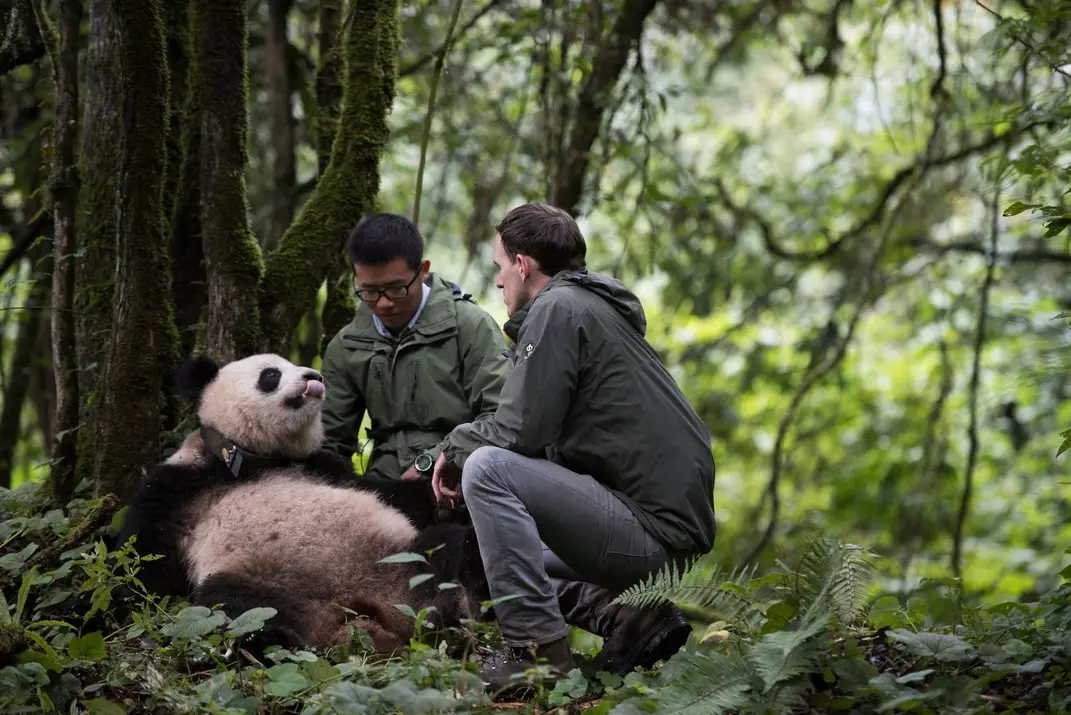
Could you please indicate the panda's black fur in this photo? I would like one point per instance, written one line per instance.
(295, 529)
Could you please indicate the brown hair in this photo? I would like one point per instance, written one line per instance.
(546, 233)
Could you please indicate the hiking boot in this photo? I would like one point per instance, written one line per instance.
(632, 637)
(499, 668)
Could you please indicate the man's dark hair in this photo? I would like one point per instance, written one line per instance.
(547, 234)
(381, 238)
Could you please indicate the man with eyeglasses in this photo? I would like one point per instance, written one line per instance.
(420, 357)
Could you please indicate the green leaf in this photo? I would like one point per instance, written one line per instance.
(419, 579)
(914, 677)
(103, 707)
(251, 620)
(1066, 444)
(89, 647)
(1057, 226)
(194, 622)
(886, 613)
(320, 671)
(286, 679)
(403, 558)
(940, 646)
(1017, 208)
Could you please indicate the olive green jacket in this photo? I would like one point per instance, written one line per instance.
(446, 370)
(590, 393)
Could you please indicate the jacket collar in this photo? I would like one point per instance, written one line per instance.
(512, 328)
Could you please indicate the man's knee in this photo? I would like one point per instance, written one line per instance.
(481, 469)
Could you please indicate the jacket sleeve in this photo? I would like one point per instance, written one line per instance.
(344, 405)
(538, 392)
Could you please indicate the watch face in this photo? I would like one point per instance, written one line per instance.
(424, 462)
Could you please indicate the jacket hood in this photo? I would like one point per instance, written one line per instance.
(613, 292)
(609, 289)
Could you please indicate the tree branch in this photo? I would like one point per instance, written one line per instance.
(922, 164)
(818, 371)
(1018, 256)
(417, 65)
(38, 226)
(593, 100)
(972, 398)
(440, 60)
(308, 252)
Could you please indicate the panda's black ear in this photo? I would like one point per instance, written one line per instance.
(194, 375)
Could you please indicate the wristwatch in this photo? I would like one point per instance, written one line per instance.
(424, 463)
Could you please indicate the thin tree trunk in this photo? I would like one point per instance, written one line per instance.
(177, 24)
(309, 250)
(131, 394)
(232, 256)
(593, 101)
(102, 127)
(65, 185)
(280, 87)
(43, 390)
(18, 376)
(339, 303)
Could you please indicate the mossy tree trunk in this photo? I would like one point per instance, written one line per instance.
(309, 250)
(132, 385)
(95, 278)
(232, 256)
(64, 187)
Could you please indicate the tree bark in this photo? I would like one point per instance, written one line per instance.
(64, 188)
(328, 82)
(309, 249)
(102, 126)
(18, 376)
(280, 86)
(177, 23)
(189, 291)
(593, 101)
(20, 43)
(232, 256)
(132, 388)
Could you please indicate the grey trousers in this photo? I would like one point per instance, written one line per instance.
(536, 520)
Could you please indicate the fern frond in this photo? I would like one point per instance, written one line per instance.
(702, 683)
(836, 577)
(784, 655)
(697, 587)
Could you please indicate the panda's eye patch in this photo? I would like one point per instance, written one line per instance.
(269, 379)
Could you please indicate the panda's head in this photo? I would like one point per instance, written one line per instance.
(263, 403)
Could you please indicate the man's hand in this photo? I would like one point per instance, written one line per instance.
(445, 479)
(411, 474)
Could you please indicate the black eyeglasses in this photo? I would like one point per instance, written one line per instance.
(372, 295)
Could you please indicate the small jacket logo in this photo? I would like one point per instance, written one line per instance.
(528, 350)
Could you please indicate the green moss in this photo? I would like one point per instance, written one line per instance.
(307, 252)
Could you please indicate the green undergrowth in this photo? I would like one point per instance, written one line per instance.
(815, 634)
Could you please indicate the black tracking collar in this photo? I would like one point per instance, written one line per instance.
(238, 461)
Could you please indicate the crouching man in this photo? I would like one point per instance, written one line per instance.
(593, 471)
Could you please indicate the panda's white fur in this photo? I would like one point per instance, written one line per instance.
(302, 535)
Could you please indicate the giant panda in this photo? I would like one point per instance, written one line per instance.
(250, 511)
